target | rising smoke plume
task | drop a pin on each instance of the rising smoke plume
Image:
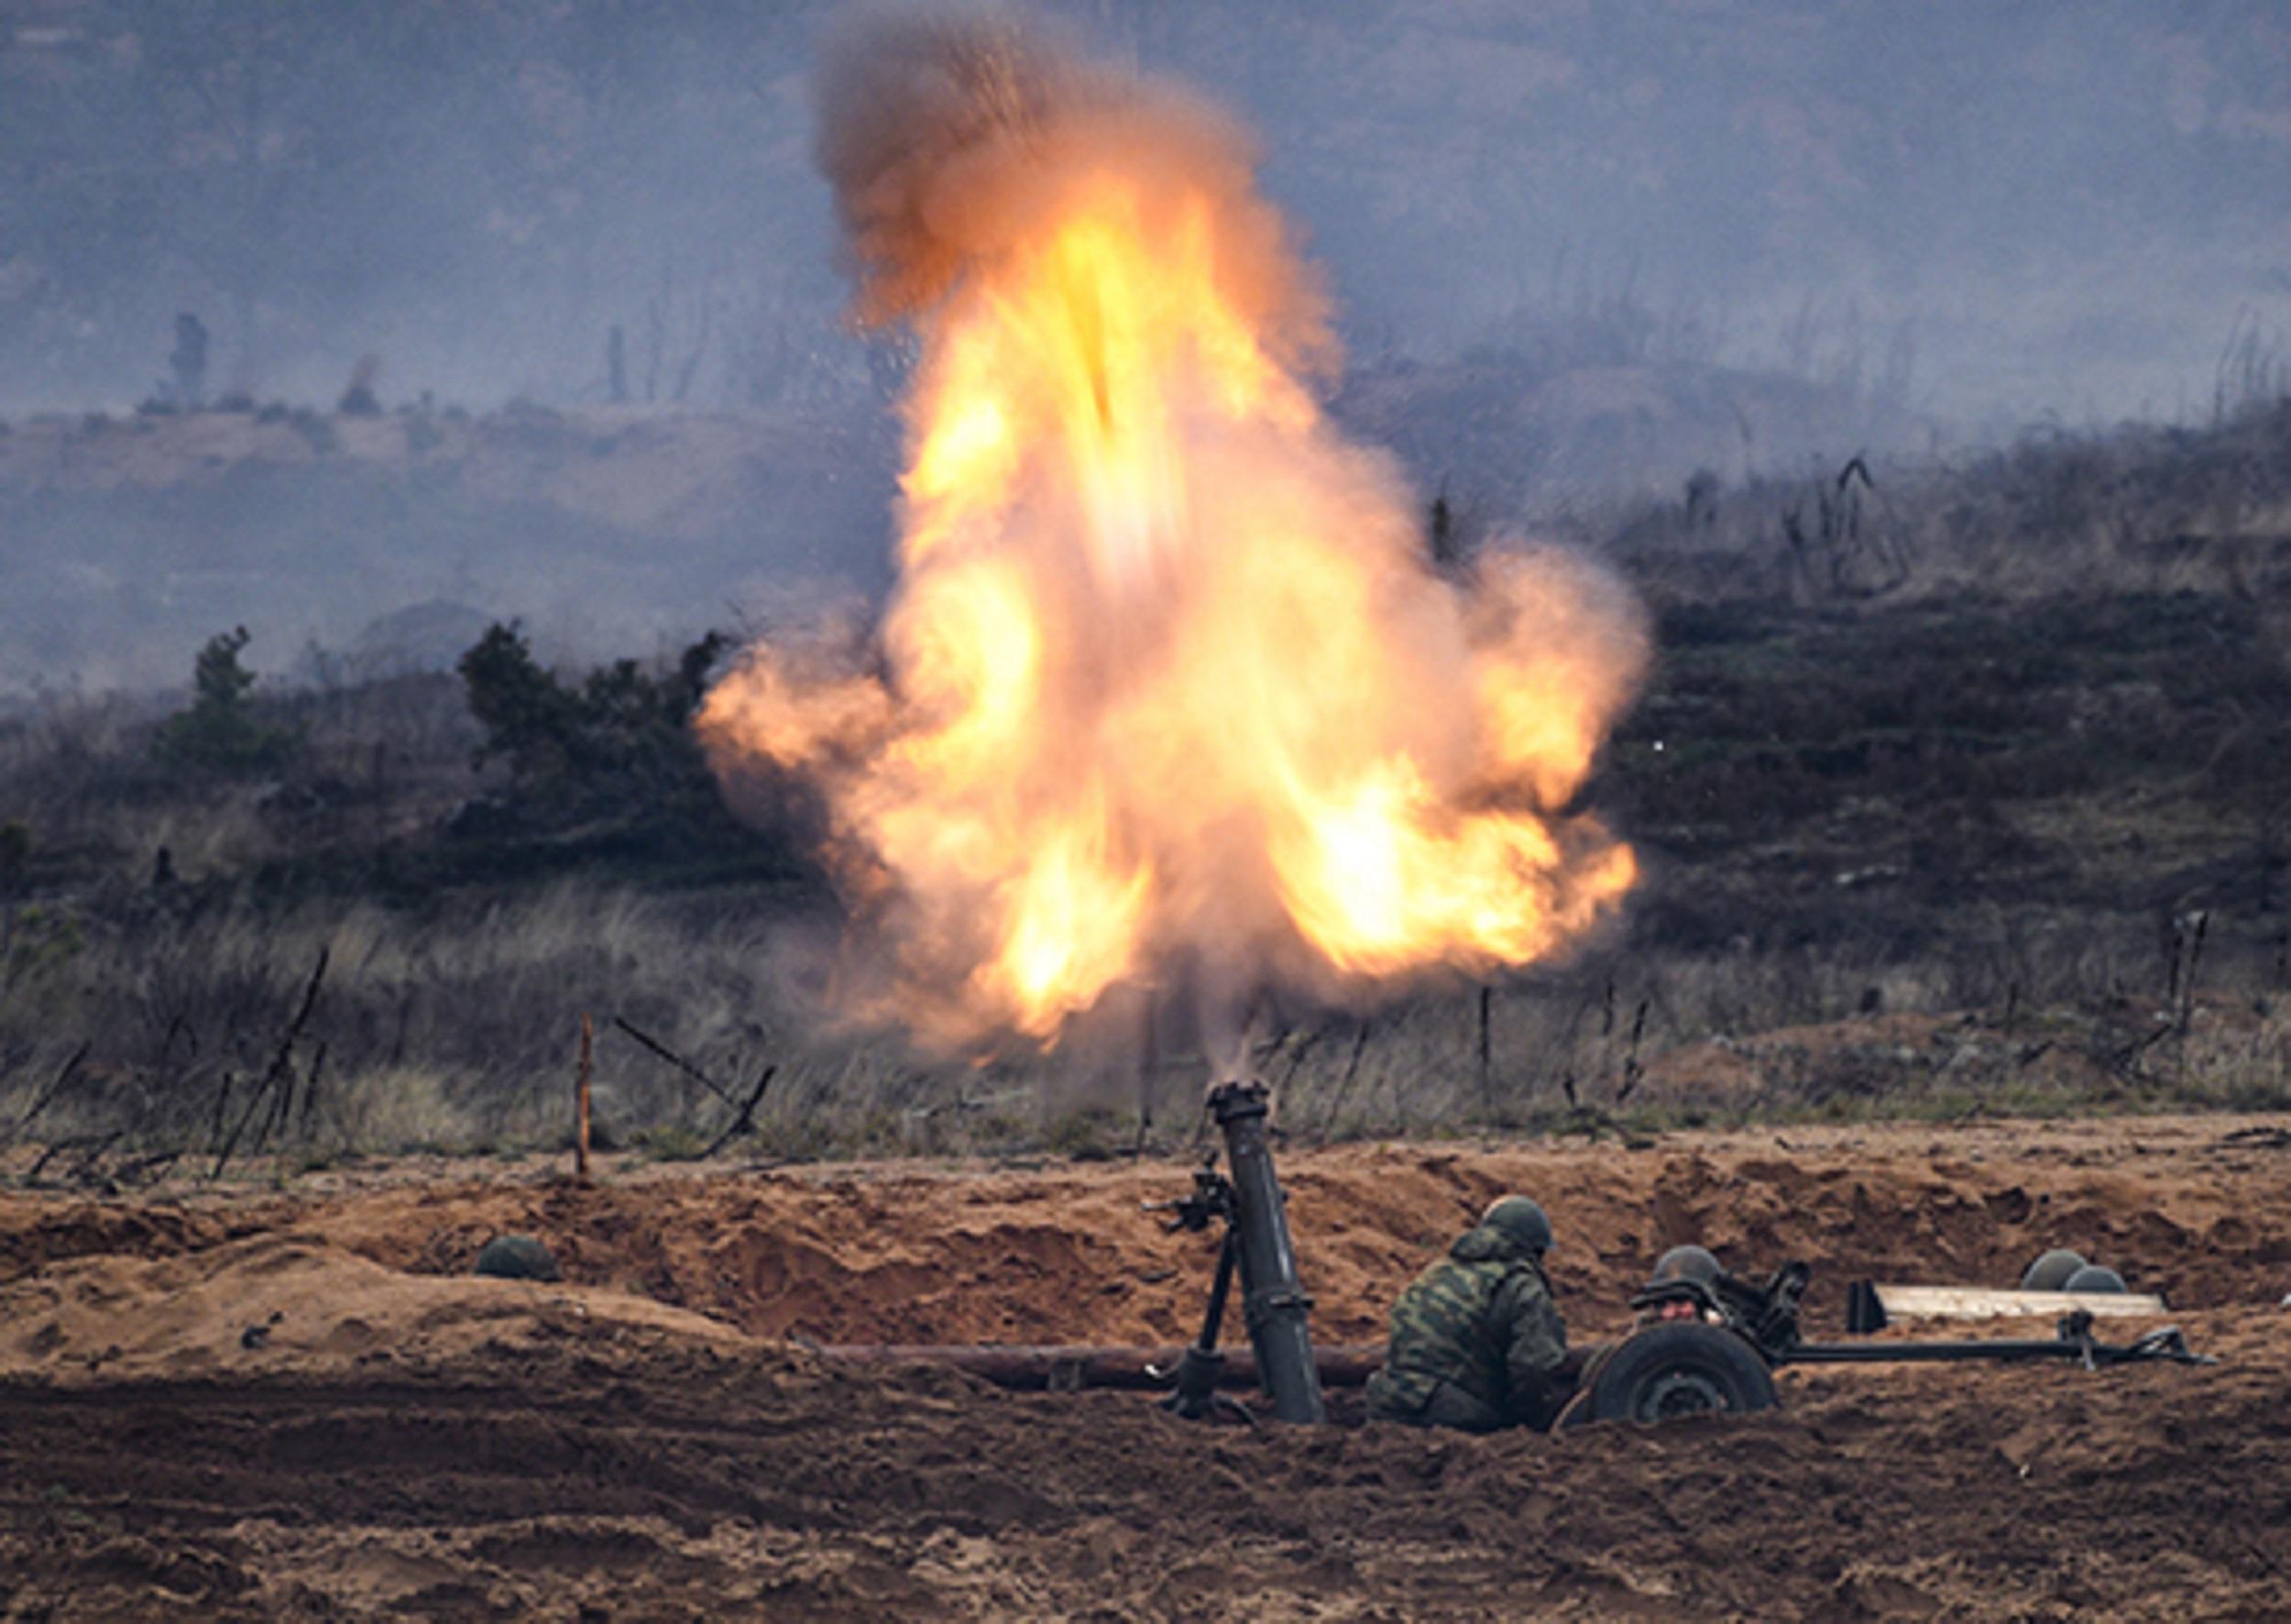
(1169, 689)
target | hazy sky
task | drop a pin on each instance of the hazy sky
(2057, 207)
(1571, 243)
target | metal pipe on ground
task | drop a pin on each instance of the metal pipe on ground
(1037, 1369)
(1067, 1369)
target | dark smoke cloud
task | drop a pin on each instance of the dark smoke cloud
(912, 107)
(947, 135)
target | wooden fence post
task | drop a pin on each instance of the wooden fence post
(580, 1108)
(1487, 1068)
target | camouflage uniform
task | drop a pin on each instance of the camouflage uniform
(1475, 1342)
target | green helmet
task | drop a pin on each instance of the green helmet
(1521, 1222)
(2093, 1277)
(2051, 1272)
(517, 1257)
(1686, 1263)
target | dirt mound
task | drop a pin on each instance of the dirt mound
(400, 1438)
(2189, 1207)
(290, 1303)
(33, 1234)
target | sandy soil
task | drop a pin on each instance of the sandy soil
(291, 1403)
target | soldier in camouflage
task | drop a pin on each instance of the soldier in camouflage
(1475, 1342)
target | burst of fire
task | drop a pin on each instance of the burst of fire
(1167, 672)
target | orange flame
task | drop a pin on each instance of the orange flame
(1166, 671)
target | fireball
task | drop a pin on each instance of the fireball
(1168, 676)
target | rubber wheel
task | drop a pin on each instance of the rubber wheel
(1672, 1370)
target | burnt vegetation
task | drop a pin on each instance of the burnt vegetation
(1956, 790)
(618, 746)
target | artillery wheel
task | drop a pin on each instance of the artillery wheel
(1671, 1370)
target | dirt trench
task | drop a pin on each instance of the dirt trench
(401, 1441)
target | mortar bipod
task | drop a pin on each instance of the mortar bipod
(1193, 1393)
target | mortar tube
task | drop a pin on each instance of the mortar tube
(1274, 1302)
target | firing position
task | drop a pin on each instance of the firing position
(1476, 1342)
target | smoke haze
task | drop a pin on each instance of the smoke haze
(2068, 205)
(1568, 245)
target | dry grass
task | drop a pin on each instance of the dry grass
(1925, 859)
(456, 1030)
(2140, 510)
(1668, 1039)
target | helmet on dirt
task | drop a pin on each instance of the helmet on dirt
(1686, 1263)
(2051, 1272)
(517, 1257)
(2093, 1277)
(1521, 1222)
